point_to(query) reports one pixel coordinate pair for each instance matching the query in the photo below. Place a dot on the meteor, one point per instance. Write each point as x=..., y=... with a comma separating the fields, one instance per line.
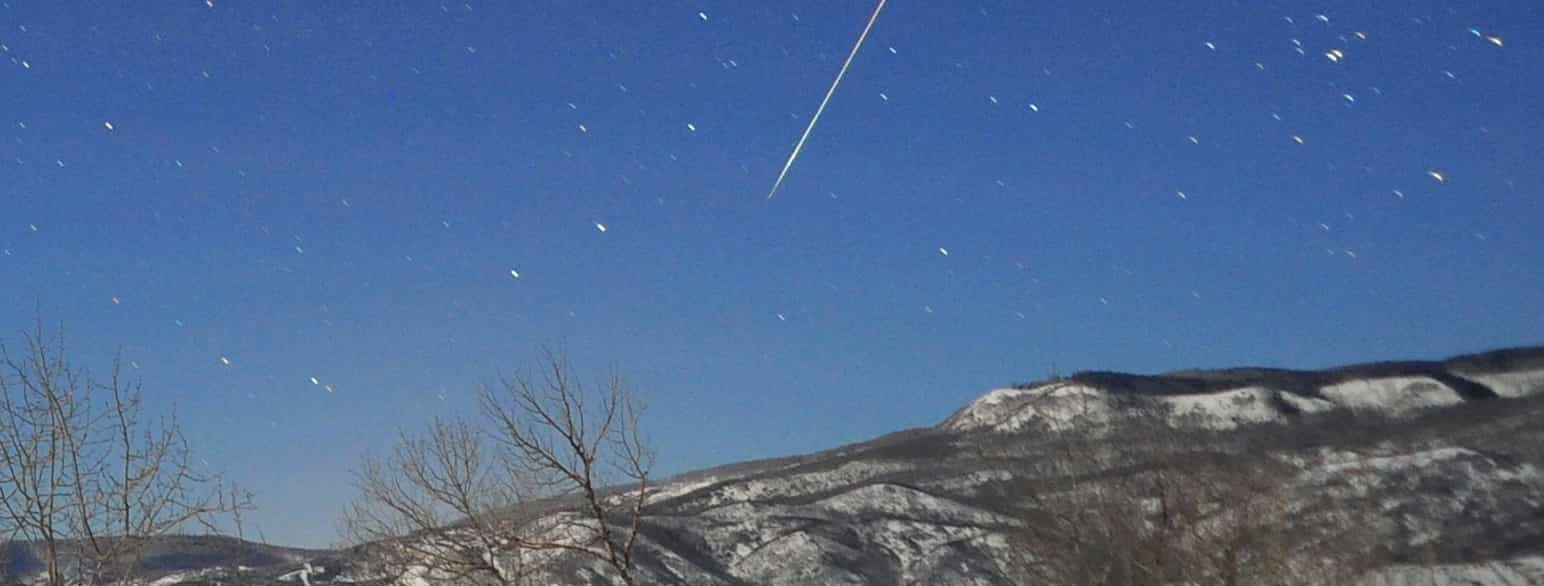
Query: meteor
x=832, y=90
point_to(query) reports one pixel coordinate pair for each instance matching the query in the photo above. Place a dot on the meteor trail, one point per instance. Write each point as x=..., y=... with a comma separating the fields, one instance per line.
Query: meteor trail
x=832, y=90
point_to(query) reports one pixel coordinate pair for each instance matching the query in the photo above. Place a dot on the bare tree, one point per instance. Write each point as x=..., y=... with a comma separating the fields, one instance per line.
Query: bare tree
x=452, y=502
x=84, y=477
x=39, y=400
x=440, y=502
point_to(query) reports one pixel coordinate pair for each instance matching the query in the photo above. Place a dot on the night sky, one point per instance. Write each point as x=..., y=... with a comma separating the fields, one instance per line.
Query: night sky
x=370, y=208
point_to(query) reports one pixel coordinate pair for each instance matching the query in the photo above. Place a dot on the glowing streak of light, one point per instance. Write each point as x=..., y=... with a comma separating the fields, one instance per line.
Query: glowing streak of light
x=829, y=92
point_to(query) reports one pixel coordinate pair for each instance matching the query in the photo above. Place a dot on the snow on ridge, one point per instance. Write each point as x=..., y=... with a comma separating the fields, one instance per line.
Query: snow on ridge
x=988, y=409
x=1056, y=405
x=1512, y=384
x=1059, y=405
x=984, y=412
x=996, y=396
x=1395, y=395
x=677, y=489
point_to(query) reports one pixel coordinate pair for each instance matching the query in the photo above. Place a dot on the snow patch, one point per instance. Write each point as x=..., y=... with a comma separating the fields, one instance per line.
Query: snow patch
x=1305, y=404
x=1510, y=384
x=969, y=483
x=173, y=579
x=1392, y=395
x=1223, y=410
x=303, y=574
x=679, y=489
x=999, y=396
x=1337, y=463
x=764, y=489
x=890, y=500
x=795, y=558
x=918, y=546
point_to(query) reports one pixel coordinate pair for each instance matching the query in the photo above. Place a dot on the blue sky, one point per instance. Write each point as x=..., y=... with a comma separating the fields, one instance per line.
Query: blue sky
x=340, y=191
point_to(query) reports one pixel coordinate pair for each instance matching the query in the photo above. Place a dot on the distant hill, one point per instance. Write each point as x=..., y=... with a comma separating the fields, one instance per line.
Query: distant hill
x=184, y=556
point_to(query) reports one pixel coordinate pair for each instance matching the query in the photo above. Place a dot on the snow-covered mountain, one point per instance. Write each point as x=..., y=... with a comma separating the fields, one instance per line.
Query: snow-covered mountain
x=1435, y=469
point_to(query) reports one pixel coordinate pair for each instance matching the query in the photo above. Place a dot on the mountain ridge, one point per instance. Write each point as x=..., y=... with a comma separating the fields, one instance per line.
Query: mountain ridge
x=1277, y=393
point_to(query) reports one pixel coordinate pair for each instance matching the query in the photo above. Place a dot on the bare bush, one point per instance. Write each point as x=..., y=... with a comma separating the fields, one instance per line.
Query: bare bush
x=452, y=502
x=84, y=477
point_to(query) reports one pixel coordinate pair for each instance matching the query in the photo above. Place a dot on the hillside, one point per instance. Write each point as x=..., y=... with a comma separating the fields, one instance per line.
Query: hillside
x=1398, y=472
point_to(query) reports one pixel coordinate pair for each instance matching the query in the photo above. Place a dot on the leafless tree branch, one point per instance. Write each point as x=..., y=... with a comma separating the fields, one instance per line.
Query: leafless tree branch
x=84, y=476
x=448, y=501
